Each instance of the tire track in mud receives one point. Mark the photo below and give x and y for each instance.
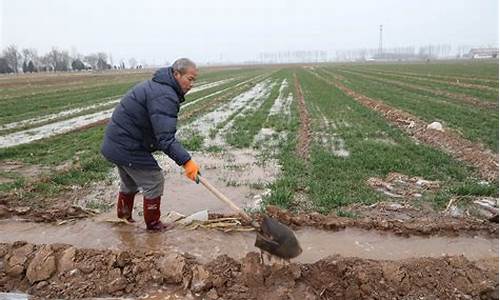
(63, 271)
(474, 154)
(305, 123)
(471, 100)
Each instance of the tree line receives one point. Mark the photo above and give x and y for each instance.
(27, 60)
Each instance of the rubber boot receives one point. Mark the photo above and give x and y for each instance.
(125, 205)
(152, 214)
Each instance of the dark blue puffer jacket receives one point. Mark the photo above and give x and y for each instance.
(144, 121)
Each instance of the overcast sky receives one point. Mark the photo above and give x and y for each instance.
(160, 30)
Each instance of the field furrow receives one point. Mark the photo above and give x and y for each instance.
(453, 97)
(474, 154)
(474, 123)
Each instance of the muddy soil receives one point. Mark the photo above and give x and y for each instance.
(19, 169)
(239, 174)
(304, 132)
(207, 240)
(62, 271)
(397, 219)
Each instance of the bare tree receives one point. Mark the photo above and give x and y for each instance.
(45, 64)
(30, 59)
(132, 62)
(29, 54)
(59, 60)
(4, 66)
(91, 59)
(110, 59)
(102, 61)
(12, 57)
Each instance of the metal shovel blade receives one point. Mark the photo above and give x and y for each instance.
(277, 239)
(272, 236)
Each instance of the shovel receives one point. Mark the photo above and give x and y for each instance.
(272, 236)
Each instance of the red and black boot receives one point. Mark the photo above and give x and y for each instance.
(125, 206)
(152, 214)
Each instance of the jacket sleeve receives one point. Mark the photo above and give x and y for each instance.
(163, 112)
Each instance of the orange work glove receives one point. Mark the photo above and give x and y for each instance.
(192, 170)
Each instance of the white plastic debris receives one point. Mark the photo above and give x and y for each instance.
(489, 204)
(197, 216)
(172, 216)
(13, 296)
(436, 126)
(455, 211)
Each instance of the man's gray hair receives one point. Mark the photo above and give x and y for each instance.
(182, 64)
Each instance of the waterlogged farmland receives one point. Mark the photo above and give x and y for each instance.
(372, 151)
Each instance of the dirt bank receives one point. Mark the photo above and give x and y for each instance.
(62, 271)
(402, 223)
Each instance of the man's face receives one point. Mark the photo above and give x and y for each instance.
(187, 79)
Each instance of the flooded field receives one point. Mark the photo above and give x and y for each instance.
(352, 172)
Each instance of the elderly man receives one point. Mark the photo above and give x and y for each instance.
(144, 121)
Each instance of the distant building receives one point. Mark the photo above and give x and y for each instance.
(479, 53)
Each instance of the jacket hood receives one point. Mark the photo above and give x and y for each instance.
(166, 76)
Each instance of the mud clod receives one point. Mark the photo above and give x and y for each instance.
(201, 279)
(253, 271)
(172, 268)
(16, 261)
(67, 261)
(42, 266)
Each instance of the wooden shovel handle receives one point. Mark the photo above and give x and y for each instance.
(223, 198)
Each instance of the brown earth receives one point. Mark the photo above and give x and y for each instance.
(398, 219)
(59, 212)
(477, 155)
(402, 221)
(39, 208)
(304, 132)
(63, 271)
